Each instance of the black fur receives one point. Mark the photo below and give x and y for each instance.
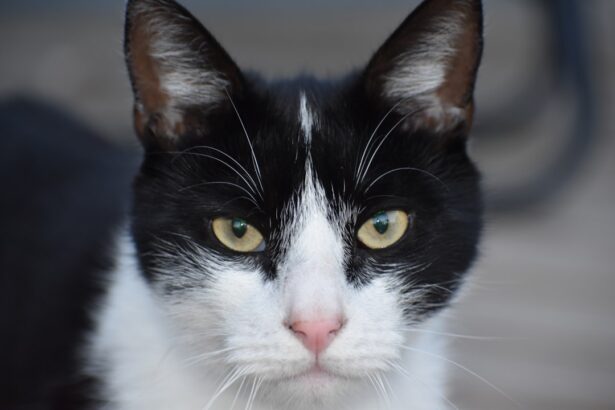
(64, 194)
(183, 184)
(172, 200)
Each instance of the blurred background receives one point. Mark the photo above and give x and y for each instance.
(543, 288)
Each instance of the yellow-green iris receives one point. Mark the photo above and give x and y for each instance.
(237, 234)
(383, 229)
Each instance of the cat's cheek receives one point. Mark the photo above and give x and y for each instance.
(373, 333)
(249, 313)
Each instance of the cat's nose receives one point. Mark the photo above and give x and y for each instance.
(316, 335)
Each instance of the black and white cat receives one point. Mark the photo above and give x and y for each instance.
(291, 244)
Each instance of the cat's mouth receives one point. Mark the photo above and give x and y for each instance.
(316, 380)
(317, 371)
(318, 374)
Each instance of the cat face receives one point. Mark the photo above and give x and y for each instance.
(294, 231)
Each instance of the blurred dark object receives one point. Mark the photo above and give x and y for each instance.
(571, 71)
(65, 191)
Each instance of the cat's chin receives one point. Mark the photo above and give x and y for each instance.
(315, 387)
(317, 376)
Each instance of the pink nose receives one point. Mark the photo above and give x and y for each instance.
(318, 334)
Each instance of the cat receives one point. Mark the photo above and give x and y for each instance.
(291, 244)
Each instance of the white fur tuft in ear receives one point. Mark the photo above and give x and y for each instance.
(184, 74)
(423, 68)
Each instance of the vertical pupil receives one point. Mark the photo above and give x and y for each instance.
(239, 227)
(381, 222)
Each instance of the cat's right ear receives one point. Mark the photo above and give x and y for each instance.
(179, 72)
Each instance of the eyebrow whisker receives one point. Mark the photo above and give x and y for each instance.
(422, 171)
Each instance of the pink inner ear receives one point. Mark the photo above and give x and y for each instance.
(145, 74)
(462, 67)
(153, 102)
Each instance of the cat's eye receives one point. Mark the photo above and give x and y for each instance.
(383, 229)
(238, 235)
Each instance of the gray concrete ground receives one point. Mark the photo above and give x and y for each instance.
(543, 286)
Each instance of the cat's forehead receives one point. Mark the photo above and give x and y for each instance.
(316, 121)
(326, 127)
(312, 110)
(306, 118)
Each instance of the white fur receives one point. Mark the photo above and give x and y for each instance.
(145, 340)
(306, 119)
(132, 348)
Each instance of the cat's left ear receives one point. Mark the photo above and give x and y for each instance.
(178, 71)
(427, 68)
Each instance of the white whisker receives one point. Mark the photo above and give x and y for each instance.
(409, 375)
(204, 356)
(422, 171)
(385, 394)
(371, 137)
(228, 381)
(254, 161)
(187, 151)
(258, 386)
(390, 388)
(465, 369)
(243, 380)
(397, 124)
(457, 335)
(255, 386)
(251, 197)
(239, 174)
(378, 392)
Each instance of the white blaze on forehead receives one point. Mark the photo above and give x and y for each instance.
(306, 119)
(313, 272)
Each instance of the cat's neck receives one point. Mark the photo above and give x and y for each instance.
(132, 352)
